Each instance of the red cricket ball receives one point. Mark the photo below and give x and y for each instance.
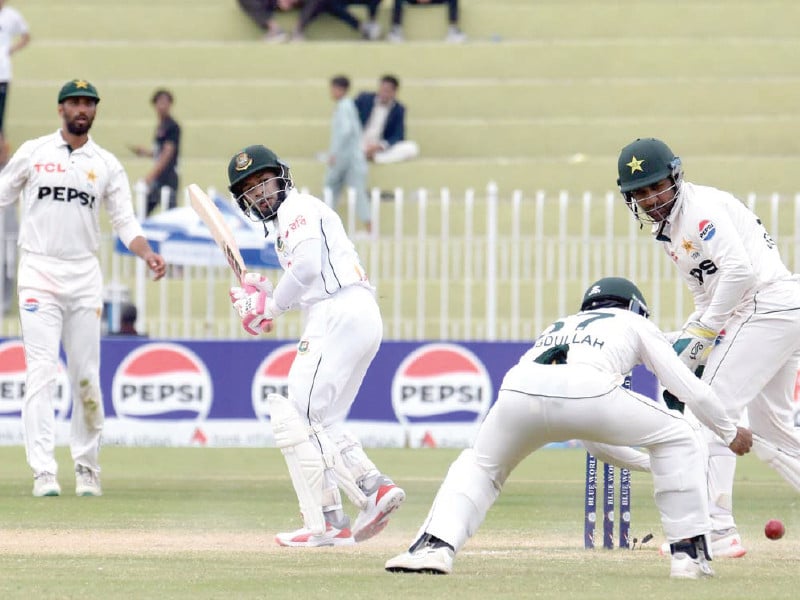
(774, 529)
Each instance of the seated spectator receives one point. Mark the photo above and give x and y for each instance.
(262, 12)
(383, 119)
(454, 34)
(369, 30)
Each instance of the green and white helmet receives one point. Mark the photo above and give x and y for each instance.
(644, 162)
(250, 161)
(615, 292)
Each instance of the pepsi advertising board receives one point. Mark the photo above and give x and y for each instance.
(182, 393)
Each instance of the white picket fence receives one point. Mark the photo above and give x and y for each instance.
(482, 266)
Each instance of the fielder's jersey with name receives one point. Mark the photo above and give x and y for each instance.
(62, 192)
(604, 346)
(304, 217)
(722, 251)
(12, 25)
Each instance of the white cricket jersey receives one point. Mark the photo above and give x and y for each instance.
(604, 346)
(62, 192)
(303, 217)
(12, 25)
(722, 251)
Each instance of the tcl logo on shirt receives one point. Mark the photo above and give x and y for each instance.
(49, 168)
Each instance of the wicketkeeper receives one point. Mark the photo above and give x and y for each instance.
(740, 287)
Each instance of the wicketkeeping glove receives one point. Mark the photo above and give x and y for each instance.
(250, 301)
(694, 344)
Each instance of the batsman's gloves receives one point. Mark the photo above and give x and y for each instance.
(252, 302)
(694, 344)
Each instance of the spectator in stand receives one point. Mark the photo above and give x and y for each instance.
(383, 119)
(262, 12)
(346, 163)
(166, 148)
(369, 30)
(454, 33)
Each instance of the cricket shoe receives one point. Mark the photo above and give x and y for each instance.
(690, 559)
(45, 484)
(87, 482)
(727, 543)
(428, 555)
(304, 538)
(381, 503)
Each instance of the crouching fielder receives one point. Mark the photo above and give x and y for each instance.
(569, 386)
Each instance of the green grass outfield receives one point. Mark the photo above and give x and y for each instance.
(198, 523)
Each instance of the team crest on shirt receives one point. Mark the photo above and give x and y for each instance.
(687, 245)
(707, 230)
(302, 347)
(243, 161)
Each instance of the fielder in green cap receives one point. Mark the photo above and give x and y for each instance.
(742, 335)
(65, 181)
(78, 88)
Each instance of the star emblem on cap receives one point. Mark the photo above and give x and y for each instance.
(635, 165)
(81, 84)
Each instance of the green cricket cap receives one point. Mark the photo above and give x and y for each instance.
(77, 88)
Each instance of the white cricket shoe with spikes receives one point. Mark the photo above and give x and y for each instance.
(690, 559)
(46, 484)
(727, 543)
(303, 538)
(434, 561)
(428, 554)
(386, 499)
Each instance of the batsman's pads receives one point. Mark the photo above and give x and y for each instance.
(303, 458)
(694, 344)
(351, 465)
(250, 301)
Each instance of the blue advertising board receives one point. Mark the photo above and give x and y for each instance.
(214, 392)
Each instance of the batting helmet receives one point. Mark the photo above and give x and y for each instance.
(250, 161)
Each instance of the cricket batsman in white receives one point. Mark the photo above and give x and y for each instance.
(569, 385)
(343, 330)
(743, 337)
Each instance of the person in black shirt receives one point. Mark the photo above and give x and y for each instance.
(166, 148)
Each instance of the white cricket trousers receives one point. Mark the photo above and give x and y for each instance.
(61, 302)
(754, 367)
(520, 422)
(341, 337)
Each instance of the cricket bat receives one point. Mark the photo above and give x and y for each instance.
(222, 234)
